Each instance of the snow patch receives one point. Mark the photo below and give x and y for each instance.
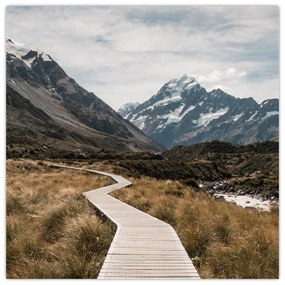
(20, 50)
(191, 85)
(271, 113)
(265, 102)
(29, 61)
(45, 57)
(236, 117)
(167, 101)
(174, 116)
(16, 49)
(140, 122)
(150, 108)
(126, 109)
(251, 117)
(190, 108)
(161, 126)
(205, 119)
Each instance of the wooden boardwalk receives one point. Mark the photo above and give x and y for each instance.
(143, 247)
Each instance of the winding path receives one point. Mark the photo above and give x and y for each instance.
(143, 247)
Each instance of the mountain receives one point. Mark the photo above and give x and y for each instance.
(183, 112)
(127, 108)
(47, 109)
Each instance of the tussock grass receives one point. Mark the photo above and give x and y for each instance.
(52, 230)
(222, 239)
(53, 221)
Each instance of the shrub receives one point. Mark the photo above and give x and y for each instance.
(191, 182)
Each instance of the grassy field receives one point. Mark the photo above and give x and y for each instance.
(222, 239)
(52, 230)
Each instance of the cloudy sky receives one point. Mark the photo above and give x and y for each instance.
(126, 53)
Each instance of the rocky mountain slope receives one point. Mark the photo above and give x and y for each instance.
(47, 109)
(127, 108)
(183, 112)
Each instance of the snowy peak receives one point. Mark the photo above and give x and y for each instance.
(183, 112)
(16, 49)
(127, 108)
(175, 87)
(185, 80)
(171, 93)
(33, 66)
(48, 106)
(25, 53)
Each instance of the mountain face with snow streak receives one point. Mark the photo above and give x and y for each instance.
(127, 108)
(47, 107)
(183, 112)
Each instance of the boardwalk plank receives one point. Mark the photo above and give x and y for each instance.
(144, 247)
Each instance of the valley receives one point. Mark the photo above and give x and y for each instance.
(186, 151)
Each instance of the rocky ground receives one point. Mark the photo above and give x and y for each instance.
(262, 197)
(266, 192)
(253, 169)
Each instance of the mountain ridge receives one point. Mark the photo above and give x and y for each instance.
(36, 77)
(184, 112)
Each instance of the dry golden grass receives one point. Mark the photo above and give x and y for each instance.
(52, 230)
(223, 240)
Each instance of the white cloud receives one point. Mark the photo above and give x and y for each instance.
(126, 53)
(214, 76)
(219, 86)
(231, 75)
(242, 73)
(259, 92)
(231, 72)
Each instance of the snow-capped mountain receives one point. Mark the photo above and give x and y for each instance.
(28, 55)
(127, 108)
(46, 106)
(183, 112)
